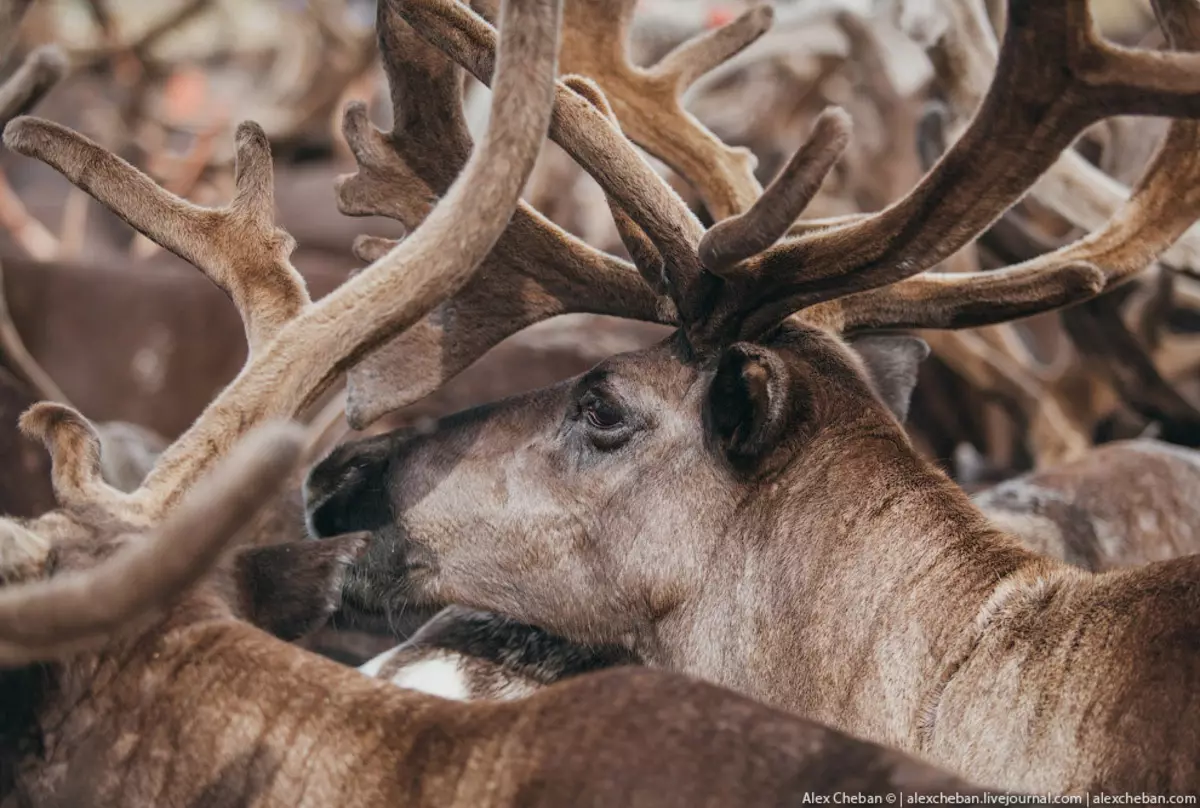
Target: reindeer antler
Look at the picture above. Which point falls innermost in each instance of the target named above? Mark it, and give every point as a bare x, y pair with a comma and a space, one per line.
1055, 77
42, 69
535, 271
43, 620
647, 101
1163, 205
1161, 208
298, 347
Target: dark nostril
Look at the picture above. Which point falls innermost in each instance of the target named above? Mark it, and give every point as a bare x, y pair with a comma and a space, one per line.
345, 492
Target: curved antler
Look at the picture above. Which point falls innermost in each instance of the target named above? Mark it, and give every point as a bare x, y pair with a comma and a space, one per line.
535, 271
295, 358
648, 101
43, 620
1164, 204
74, 446
1055, 77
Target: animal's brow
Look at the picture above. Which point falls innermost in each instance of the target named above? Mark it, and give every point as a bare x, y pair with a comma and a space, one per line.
597, 377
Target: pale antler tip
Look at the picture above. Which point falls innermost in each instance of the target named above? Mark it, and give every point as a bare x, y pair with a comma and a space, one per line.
21, 134
760, 16
590, 91
251, 134
51, 59
835, 123
357, 130
1081, 280
49, 421
370, 249
361, 413
354, 117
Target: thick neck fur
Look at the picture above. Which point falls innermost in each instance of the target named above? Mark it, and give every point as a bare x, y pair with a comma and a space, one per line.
909, 621
850, 616
213, 712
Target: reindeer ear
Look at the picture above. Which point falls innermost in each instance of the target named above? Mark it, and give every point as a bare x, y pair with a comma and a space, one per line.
892, 362
291, 589
748, 401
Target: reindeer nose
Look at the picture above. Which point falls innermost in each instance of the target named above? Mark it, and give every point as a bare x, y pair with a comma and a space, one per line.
347, 491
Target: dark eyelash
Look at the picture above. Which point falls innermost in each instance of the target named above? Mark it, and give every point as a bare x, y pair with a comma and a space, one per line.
596, 408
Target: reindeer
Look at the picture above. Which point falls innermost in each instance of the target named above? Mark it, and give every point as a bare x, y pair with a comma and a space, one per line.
740, 502
132, 674
1120, 505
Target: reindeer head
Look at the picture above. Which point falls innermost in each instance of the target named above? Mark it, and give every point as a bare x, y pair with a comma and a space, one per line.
606, 499
596, 506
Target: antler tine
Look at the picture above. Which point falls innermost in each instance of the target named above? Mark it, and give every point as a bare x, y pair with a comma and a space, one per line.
1164, 204
74, 446
1055, 77
647, 101
536, 270
645, 255
237, 247
741, 236
429, 142
46, 619
41, 70
593, 142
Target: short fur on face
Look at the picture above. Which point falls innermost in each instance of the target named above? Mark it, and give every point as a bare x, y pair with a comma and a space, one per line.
568, 507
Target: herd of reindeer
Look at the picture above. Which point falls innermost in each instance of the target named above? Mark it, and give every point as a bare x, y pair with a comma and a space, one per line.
713, 571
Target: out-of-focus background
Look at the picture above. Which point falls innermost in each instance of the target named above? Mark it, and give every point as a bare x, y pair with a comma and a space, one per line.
140, 341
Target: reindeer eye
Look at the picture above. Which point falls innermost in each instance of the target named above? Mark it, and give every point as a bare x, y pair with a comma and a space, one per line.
600, 413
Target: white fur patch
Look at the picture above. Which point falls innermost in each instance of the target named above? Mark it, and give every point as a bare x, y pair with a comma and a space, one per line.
437, 676
374, 665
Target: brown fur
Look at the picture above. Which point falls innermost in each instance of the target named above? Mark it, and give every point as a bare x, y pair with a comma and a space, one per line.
907, 619
206, 711
1120, 505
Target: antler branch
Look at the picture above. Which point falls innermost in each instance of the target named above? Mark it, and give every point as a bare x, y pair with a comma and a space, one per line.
590, 139
238, 247
323, 339
739, 237
74, 447
1054, 78
1163, 205
648, 103
536, 270
43, 620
